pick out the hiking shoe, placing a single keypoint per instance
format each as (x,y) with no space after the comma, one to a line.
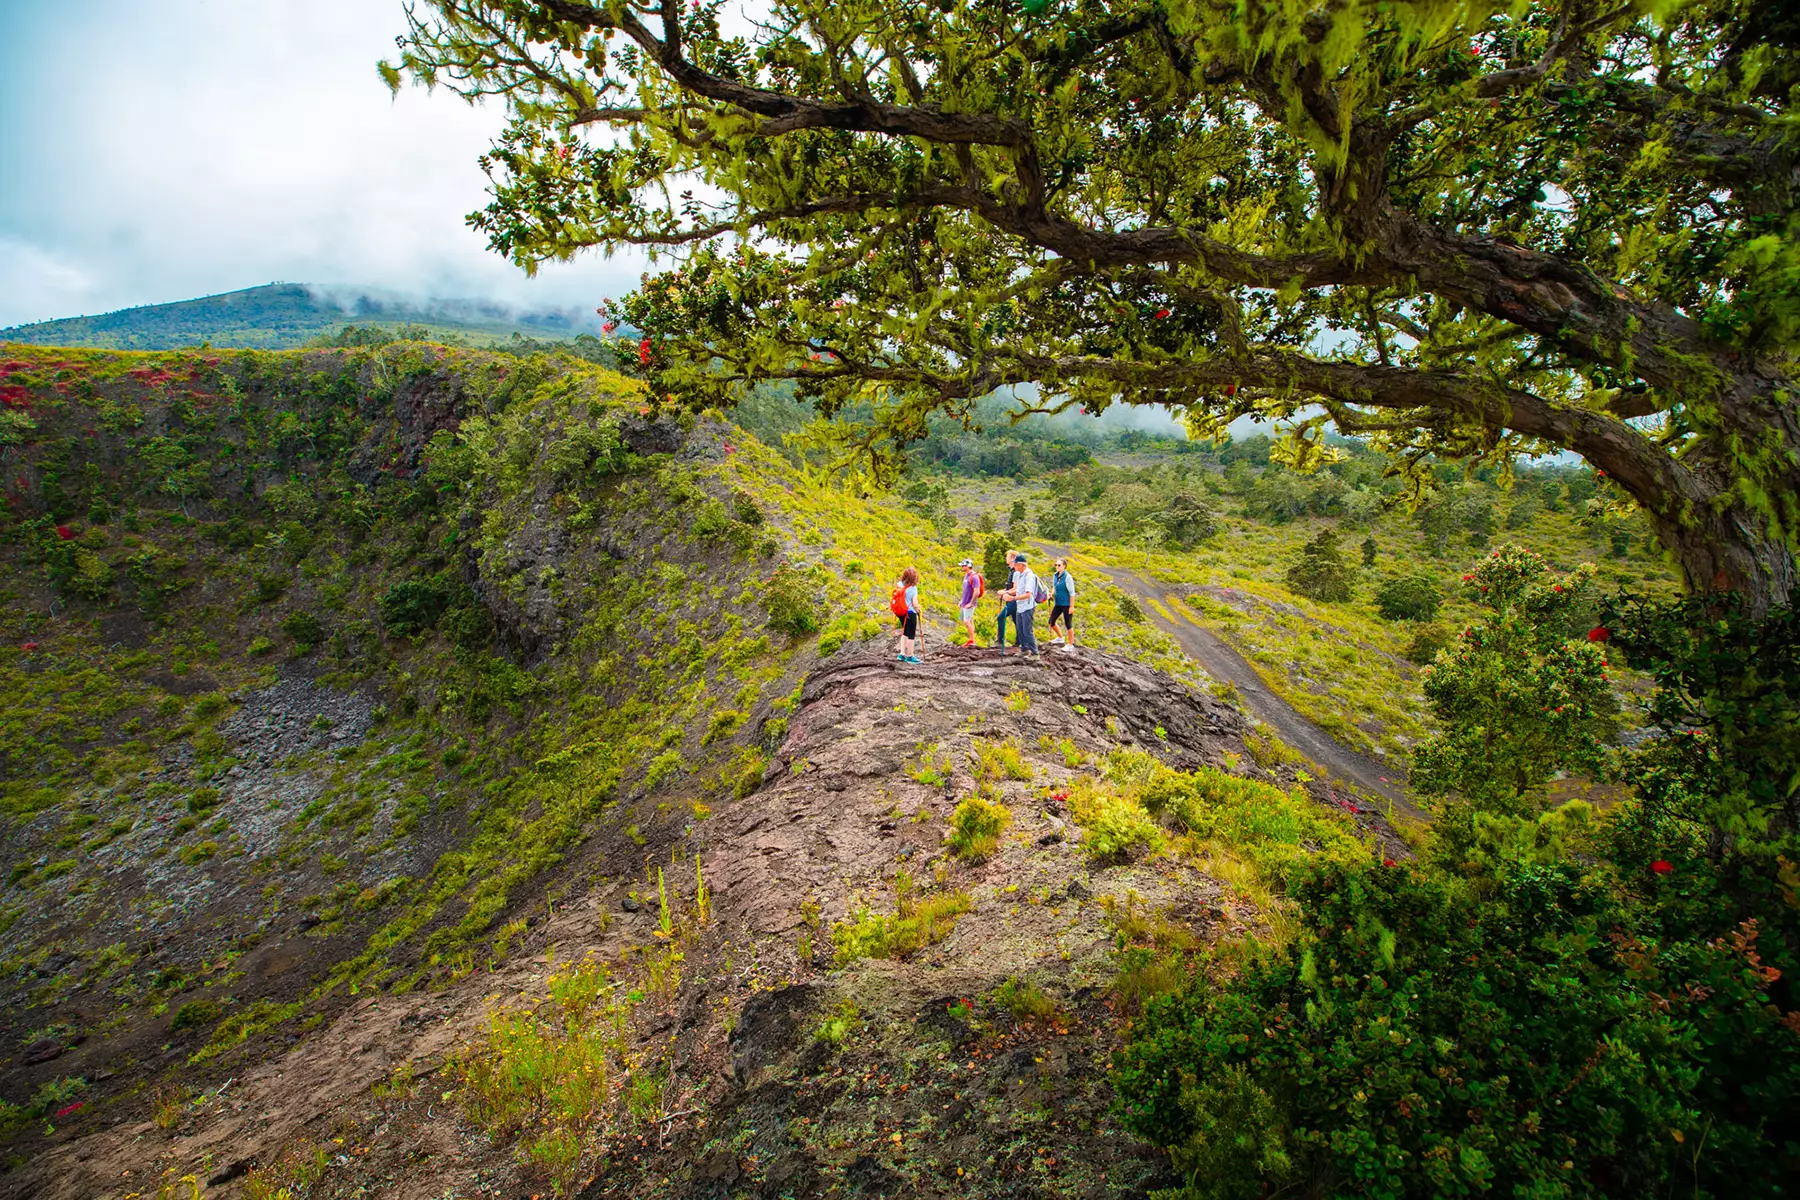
(913,659)
(1068,647)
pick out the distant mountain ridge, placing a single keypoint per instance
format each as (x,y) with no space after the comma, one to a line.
(281,316)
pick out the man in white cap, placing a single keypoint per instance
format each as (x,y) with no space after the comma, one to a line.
(972,588)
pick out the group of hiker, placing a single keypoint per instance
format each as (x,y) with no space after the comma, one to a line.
(1024,592)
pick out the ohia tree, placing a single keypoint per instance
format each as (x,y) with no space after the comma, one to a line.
(1462,228)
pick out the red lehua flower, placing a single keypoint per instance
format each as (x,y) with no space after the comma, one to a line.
(64,532)
(608,326)
(66,1109)
(1600,474)
(1388,862)
(1161,313)
(1467,578)
(644,352)
(1557,587)
(1231,389)
(29,647)
(729,448)
(1599,633)
(1662,866)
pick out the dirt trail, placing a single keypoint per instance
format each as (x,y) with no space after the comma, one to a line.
(1224,663)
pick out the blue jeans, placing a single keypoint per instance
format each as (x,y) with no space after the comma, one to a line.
(1009,609)
(1022,629)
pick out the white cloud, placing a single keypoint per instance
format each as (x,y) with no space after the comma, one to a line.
(157,152)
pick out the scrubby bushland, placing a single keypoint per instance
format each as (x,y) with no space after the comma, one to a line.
(1566,1002)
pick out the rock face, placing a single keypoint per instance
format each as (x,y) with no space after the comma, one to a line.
(839,806)
(913,1076)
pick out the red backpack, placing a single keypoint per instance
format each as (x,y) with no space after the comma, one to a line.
(897,602)
(980,587)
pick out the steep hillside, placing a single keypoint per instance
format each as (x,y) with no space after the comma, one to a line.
(349,692)
(280,316)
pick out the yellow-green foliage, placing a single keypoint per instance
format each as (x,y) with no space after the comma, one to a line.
(1024,1000)
(1113,821)
(996,760)
(1274,830)
(914,924)
(1019,700)
(546,1073)
(841,1024)
(930,766)
(976,826)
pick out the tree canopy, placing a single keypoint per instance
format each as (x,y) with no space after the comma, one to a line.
(1460,229)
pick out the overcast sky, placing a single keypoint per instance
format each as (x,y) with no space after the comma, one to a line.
(165,149)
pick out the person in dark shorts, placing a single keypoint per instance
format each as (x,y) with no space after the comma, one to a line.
(909,624)
(1062,597)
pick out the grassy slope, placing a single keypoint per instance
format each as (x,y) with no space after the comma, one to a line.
(1342,665)
(172,519)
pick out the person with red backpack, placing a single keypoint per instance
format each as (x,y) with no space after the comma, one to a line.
(973,589)
(906,606)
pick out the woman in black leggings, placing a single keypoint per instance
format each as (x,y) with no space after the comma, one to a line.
(1062,596)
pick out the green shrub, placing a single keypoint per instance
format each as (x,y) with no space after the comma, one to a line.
(1422,1041)
(1321,574)
(1517,703)
(91,577)
(664,767)
(996,760)
(1024,1000)
(550,1074)
(1114,823)
(1408,598)
(196,1013)
(723,724)
(1129,609)
(792,603)
(1277,832)
(413,606)
(1425,643)
(913,925)
(304,628)
(976,826)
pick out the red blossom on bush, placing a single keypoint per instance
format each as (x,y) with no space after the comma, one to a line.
(1599,633)
(29,647)
(1388,862)
(644,352)
(1161,313)
(66,1109)
(1662,866)
(64,532)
